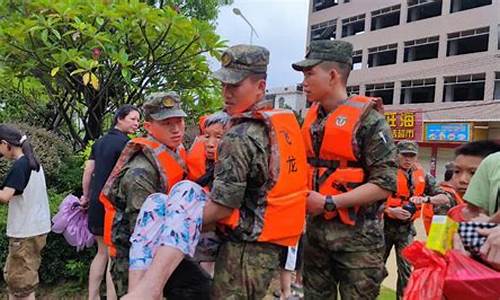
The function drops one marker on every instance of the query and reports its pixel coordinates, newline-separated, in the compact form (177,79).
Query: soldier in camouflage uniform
(139,178)
(399,230)
(244,267)
(339,257)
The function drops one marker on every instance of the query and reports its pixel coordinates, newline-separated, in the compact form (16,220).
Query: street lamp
(237,12)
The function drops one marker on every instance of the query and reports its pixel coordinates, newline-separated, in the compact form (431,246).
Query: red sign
(405,125)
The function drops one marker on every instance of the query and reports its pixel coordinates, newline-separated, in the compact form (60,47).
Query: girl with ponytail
(28,219)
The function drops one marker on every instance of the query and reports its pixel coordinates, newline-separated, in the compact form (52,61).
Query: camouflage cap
(163,105)
(239,61)
(325,50)
(409,147)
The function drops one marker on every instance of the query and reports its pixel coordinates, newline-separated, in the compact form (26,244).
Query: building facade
(435,63)
(289,97)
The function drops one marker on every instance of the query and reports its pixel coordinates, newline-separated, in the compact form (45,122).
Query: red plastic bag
(429,269)
(468,279)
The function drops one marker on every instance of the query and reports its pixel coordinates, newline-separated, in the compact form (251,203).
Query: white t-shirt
(29,213)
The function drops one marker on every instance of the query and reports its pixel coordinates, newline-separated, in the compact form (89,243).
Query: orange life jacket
(201,123)
(171,166)
(428,209)
(285,207)
(336,169)
(403,193)
(196,159)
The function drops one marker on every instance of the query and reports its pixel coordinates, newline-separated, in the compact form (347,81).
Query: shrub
(60,261)
(52,151)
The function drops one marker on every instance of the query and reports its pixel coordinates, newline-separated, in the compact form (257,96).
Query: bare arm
(6,194)
(363,195)
(214,212)
(86,178)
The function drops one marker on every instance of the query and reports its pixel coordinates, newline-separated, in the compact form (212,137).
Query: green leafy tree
(90,56)
(206,10)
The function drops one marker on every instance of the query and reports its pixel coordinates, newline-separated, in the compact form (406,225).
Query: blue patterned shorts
(173,220)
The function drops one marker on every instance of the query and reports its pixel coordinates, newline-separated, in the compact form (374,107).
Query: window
(383,90)
(281,102)
(322,4)
(426,48)
(385,17)
(418,91)
(271,97)
(357,56)
(469,41)
(353,90)
(324,31)
(496,93)
(383,55)
(464,88)
(459,5)
(354,25)
(498,37)
(423,9)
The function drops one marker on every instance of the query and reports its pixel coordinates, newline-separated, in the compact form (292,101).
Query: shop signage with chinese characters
(448,132)
(405,125)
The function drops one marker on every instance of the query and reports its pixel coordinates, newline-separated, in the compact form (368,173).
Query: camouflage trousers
(244,270)
(399,235)
(337,264)
(188,282)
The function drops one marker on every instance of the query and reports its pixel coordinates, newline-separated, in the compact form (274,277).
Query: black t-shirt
(18,176)
(105,153)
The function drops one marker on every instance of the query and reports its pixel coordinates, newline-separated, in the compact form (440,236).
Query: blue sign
(448,132)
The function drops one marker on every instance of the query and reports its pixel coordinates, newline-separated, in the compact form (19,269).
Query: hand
(481,218)
(470,212)
(458,245)
(84,201)
(440,199)
(378,104)
(398,213)
(490,251)
(315,203)
(417,200)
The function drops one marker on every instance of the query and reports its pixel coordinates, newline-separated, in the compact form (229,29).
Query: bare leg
(298,277)
(152,282)
(134,277)
(286,284)
(110,287)
(97,269)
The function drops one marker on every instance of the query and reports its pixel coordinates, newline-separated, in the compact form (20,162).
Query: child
(28,220)
(467,160)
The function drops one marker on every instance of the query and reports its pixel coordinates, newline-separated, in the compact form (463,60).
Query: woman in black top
(105,153)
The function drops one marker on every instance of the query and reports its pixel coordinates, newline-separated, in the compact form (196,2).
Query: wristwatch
(330,204)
